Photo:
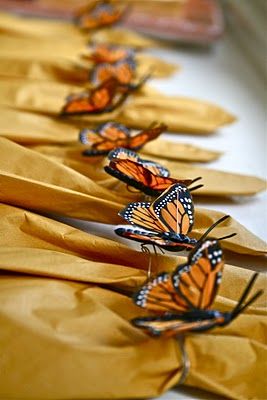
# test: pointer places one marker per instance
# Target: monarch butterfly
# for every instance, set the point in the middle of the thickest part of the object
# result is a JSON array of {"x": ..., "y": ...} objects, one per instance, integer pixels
[
  {"x": 104, "y": 98},
  {"x": 105, "y": 53},
  {"x": 182, "y": 300},
  {"x": 102, "y": 14},
  {"x": 149, "y": 177},
  {"x": 111, "y": 135},
  {"x": 123, "y": 71},
  {"x": 165, "y": 222}
]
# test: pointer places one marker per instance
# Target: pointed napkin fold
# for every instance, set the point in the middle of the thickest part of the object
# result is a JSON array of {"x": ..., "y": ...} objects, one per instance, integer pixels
[
  {"x": 78, "y": 327},
  {"x": 27, "y": 230},
  {"x": 123, "y": 37},
  {"x": 73, "y": 70},
  {"x": 30, "y": 128},
  {"x": 47, "y": 29},
  {"x": 143, "y": 107},
  {"x": 220, "y": 183},
  {"x": 233, "y": 184},
  {"x": 17, "y": 26},
  {"x": 181, "y": 114},
  {"x": 40, "y": 47}
]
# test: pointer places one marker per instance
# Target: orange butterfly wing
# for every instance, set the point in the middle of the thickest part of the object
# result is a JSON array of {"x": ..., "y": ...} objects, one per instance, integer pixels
[
  {"x": 160, "y": 296},
  {"x": 109, "y": 54},
  {"x": 172, "y": 211},
  {"x": 174, "y": 208},
  {"x": 104, "y": 98},
  {"x": 145, "y": 136},
  {"x": 136, "y": 175},
  {"x": 102, "y": 14},
  {"x": 191, "y": 286},
  {"x": 141, "y": 214},
  {"x": 123, "y": 71},
  {"x": 104, "y": 138},
  {"x": 199, "y": 280},
  {"x": 78, "y": 104}
]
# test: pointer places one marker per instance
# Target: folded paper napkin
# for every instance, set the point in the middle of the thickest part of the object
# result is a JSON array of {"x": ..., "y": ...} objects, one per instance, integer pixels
[
  {"x": 144, "y": 106},
  {"x": 234, "y": 184},
  {"x": 47, "y": 30},
  {"x": 73, "y": 70},
  {"x": 64, "y": 191},
  {"x": 33, "y": 129},
  {"x": 73, "y": 326}
]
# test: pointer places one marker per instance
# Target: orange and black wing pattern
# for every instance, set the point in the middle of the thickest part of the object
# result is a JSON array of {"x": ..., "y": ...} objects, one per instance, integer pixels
[
  {"x": 138, "y": 176},
  {"x": 105, "y": 53},
  {"x": 174, "y": 209},
  {"x": 98, "y": 16},
  {"x": 123, "y": 71},
  {"x": 121, "y": 153},
  {"x": 160, "y": 296},
  {"x": 146, "y": 135},
  {"x": 104, "y": 138},
  {"x": 141, "y": 214},
  {"x": 165, "y": 222},
  {"x": 182, "y": 299},
  {"x": 104, "y": 98},
  {"x": 198, "y": 280}
]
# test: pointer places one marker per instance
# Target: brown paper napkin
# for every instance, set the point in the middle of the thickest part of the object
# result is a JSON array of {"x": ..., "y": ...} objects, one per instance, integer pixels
[
  {"x": 179, "y": 113},
  {"x": 61, "y": 320},
  {"x": 73, "y": 71},
  {"x": 63, "y": 191},
  {"x": 17, "y": 26},
  {"x": 40, "y": 48},
  {"x": 30, "y": 128},
  {"x": 233, "y": 184},
  {"x": 45, "y": 29},
  {"x": 219, "y": 183}
]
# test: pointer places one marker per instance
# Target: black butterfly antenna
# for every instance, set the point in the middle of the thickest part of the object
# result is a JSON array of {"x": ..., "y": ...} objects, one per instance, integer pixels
[
  {"x": 195, "y": 187},
  {"x": 157, "y": 123},
  {"x": 213, "y": 226},
  {"x": 241, "y": 306},
  {"x": 142, "y": 81}
]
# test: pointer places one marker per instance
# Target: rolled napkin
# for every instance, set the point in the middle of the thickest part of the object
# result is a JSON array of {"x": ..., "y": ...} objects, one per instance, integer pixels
[
  {"x": 45, "y": 29},
  {"x": 144, "y": 106},
  {"x": 34, "y": 129},
  {"x": 61, "y": 191},
  {"x": 233, "y": 184},
  {"x": 73, "y": 313},
  {"x": 73, "y": 70}
]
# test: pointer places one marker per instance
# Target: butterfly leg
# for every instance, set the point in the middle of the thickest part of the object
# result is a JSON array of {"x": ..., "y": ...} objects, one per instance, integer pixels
[
  {"x": 147, "y": 198},
  {"x": 185, "y": 359},
  {"x": 146, "y": 250},
  {"x": 132, "y": 190}
]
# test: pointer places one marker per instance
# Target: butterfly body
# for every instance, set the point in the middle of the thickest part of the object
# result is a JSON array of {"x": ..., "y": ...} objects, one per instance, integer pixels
[
  {"x": 112, "y": 135},
  {"x": 169, "y": 242},
  {"x": 191, "y": 321},
  {"x": 182, "y": 300}
]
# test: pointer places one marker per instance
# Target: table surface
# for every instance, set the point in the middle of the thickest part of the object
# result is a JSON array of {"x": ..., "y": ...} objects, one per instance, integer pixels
[{"x": 223, "y": 75}]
